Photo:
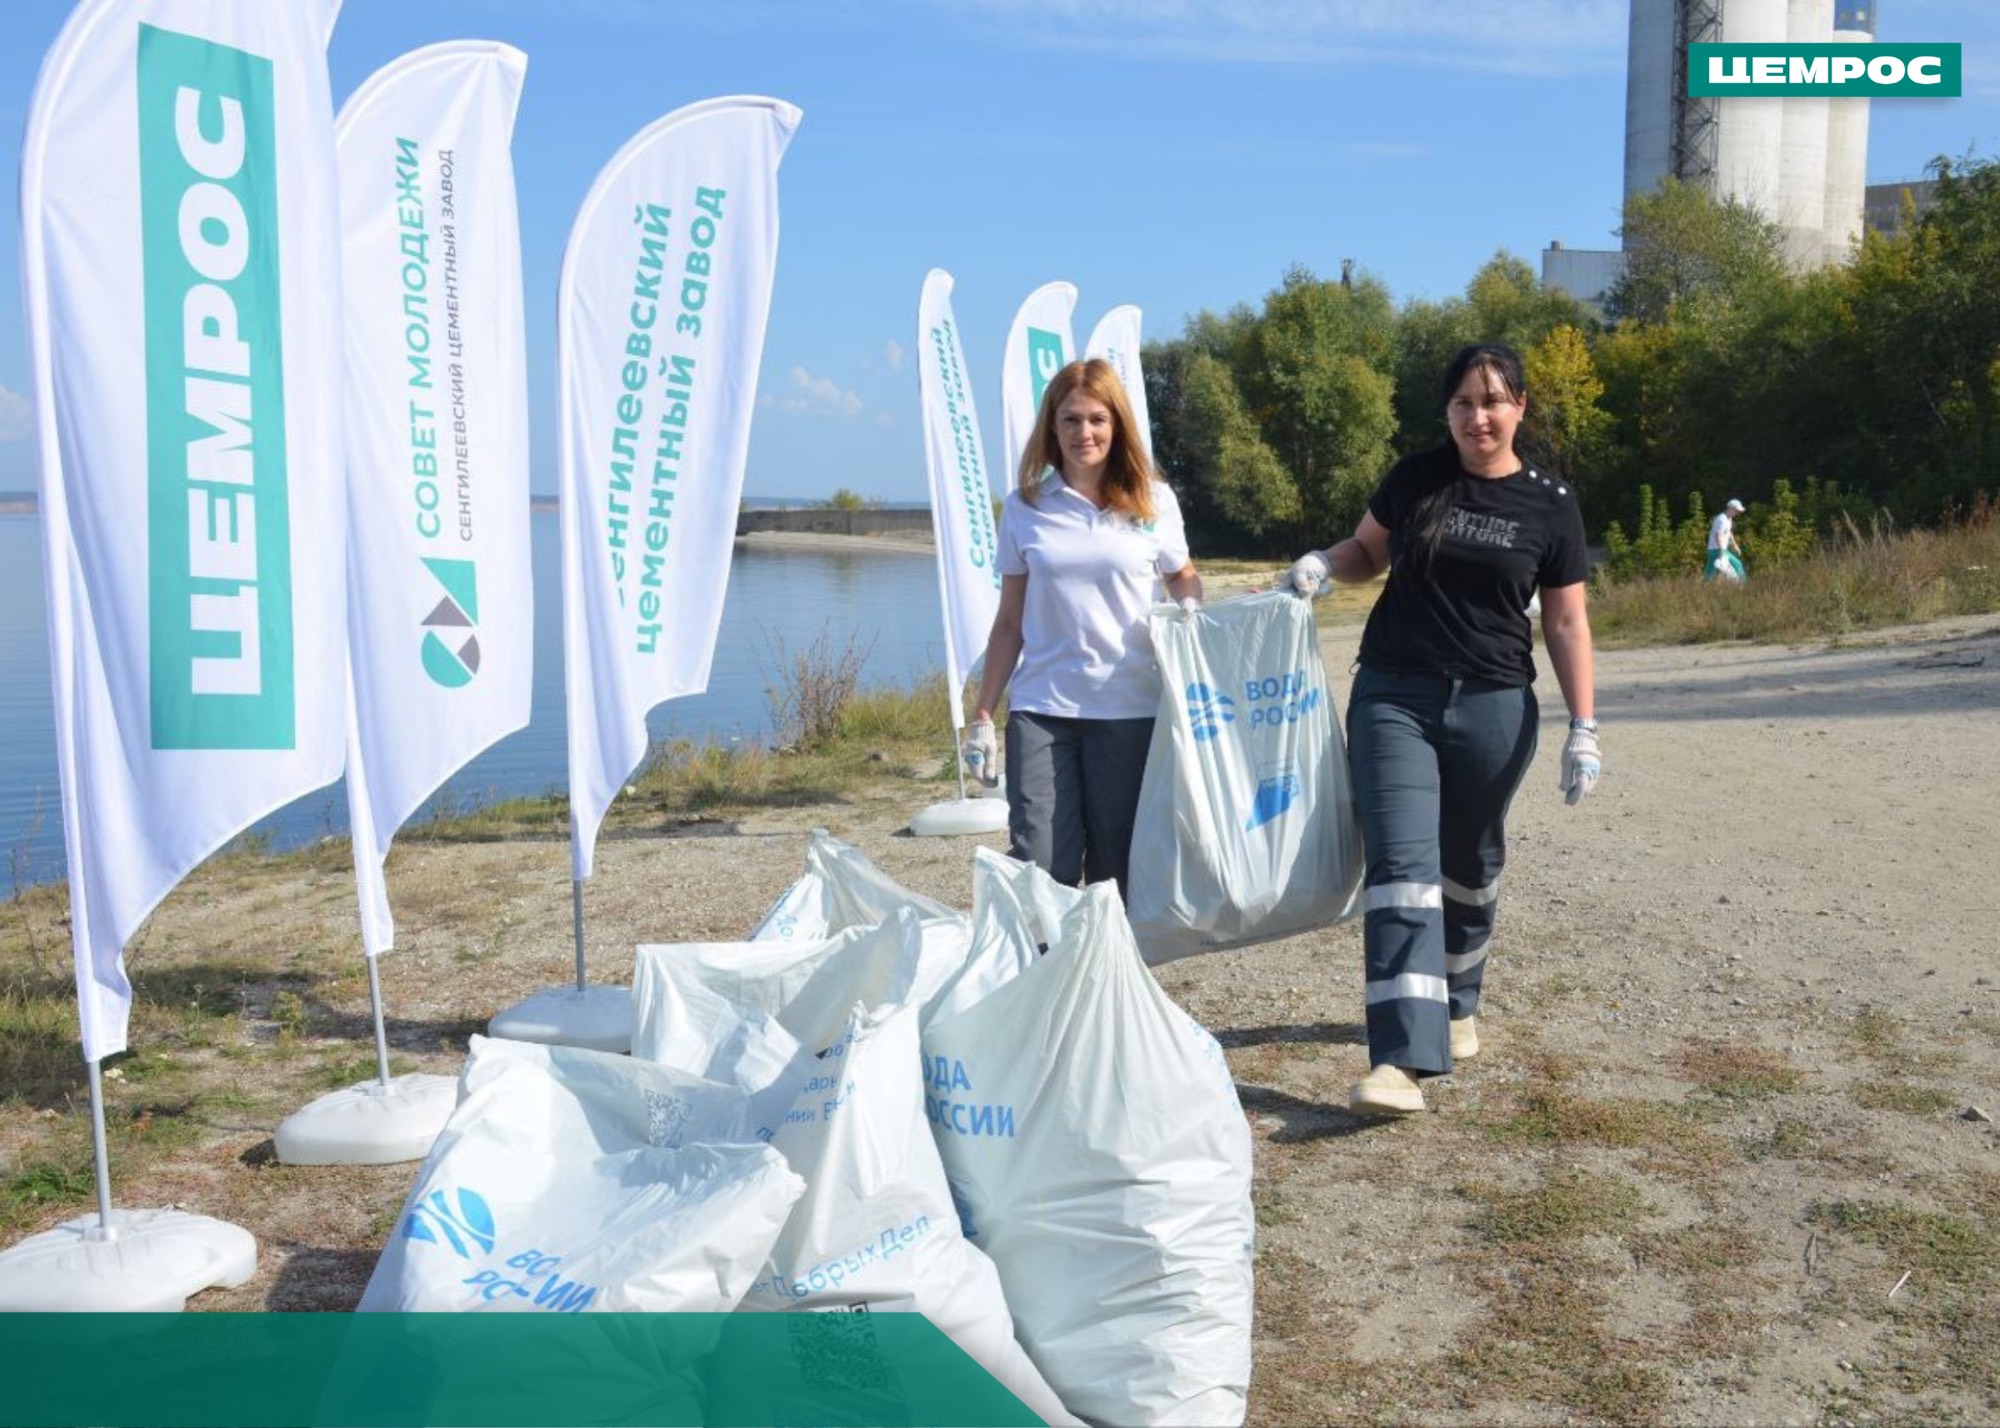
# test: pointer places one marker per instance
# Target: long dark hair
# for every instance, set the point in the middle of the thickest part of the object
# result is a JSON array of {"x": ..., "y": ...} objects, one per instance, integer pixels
[{"x": 1500, "y": 363}]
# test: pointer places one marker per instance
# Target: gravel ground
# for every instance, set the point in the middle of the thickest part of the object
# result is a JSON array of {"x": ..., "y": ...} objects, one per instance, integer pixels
[{"x": 1770, "y": 926}]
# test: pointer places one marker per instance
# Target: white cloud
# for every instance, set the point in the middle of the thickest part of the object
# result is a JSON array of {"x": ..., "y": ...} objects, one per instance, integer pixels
[
  {"x": 818, "y": 396},
  {"x": 1523, "y": 36},
  {"x": 885, "y": 420},
  {"x": 892, "y": 353},
  {"x": 16, "y": 416}
]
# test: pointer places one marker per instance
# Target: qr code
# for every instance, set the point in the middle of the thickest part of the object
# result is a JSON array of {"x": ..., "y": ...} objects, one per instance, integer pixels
[{"x": 835, "y": 1348}]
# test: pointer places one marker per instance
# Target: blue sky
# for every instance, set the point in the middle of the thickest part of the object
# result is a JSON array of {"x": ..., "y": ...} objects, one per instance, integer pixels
[{"x": 1177, "y": 154}]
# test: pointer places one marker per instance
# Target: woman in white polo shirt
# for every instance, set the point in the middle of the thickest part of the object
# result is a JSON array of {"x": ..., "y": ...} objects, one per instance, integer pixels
[{"x": 1086, "y": 532}]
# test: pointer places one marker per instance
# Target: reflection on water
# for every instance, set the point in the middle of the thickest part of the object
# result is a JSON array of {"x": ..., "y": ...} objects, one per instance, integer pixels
[{"x": 889, "y": 597}]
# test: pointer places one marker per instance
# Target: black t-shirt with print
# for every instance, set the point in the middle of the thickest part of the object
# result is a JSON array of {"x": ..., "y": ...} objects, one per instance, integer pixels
[{"x": 1502, "y": 539}]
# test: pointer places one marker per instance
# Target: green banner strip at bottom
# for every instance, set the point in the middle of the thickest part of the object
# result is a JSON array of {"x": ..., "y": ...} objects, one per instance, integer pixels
[{"x": 491, "y": 1370}]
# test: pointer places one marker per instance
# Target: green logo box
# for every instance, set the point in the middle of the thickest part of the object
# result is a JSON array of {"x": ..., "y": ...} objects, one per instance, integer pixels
[
  {"x": 217, "y": 504},
  {"x": 495, "y": 1370},
  {"x": 1045, "y": 359},
  {"x": 1850, "y": 71}
]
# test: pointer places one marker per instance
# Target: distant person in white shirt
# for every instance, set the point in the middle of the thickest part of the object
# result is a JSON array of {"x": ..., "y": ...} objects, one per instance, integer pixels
[
  {"x": 1725, "y": 556},
  {"x": 1087, "y": 530}
]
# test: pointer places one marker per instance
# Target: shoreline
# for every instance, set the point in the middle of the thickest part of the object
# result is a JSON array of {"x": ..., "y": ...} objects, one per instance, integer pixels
[{"x": 891, "y": 543}]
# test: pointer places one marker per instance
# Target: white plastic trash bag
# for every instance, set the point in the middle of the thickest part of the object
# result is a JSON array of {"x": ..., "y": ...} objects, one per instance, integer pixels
[
  {"x": 876, "y": 1225},
  {"x": 823, "y": 1036},
  {"x": 572, "y": 1180},
  {"x": 711, "y": 1008},
  {"x": 840, "y": 889},
  {"x": 1245, "y": 829},
  {"x": 1100, "y": 1157}
]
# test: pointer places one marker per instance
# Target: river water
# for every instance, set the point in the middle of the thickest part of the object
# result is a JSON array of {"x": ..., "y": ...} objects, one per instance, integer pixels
[{"x": 885, "y": 599}]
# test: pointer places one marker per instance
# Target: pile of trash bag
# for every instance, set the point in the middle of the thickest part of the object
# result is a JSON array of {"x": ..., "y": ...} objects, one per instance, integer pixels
[{"x": 876, "y": 1102}]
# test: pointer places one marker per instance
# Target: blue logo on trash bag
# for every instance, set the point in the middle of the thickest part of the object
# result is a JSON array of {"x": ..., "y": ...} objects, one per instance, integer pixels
[
  {"x": 1275, "y": 796},
  {"x": 436, "y": 1216},
  {"x": 463, "y": 1220},
  {"x": 1208, "y": 710}
]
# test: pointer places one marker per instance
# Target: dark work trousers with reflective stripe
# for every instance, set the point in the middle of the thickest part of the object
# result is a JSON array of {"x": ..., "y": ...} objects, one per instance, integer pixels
[
  {"x": 1435, "y": 761},
  {"x": 1072, "y": 793}
]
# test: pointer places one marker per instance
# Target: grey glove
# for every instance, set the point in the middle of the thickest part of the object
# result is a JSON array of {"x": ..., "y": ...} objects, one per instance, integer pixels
[
  {"x": 1308, "y": 573},
  {"x": 1582, "y": 765},
  {"x": 980, "y": 752}
]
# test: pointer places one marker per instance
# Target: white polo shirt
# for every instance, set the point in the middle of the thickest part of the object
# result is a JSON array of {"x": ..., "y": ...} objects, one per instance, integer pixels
[{"x": 1085, "y": 651}]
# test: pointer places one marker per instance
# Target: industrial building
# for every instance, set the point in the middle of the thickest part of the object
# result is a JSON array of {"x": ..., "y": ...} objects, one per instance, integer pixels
[{"x": 1801, "y": 160}]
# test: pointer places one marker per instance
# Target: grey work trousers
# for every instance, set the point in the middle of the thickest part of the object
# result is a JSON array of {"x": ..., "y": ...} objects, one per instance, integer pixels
[
  {"x": 1072, "y": 793},
  {"x": 1435, "y": 762}
]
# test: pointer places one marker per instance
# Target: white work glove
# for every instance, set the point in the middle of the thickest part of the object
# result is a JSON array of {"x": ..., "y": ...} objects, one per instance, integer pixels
[
  {"x": 1582, "y": 765},
  {"x": 980, "y": 752},
  {"x": 1308, "y": 573},
  {"x": 1189, "y": 604}
]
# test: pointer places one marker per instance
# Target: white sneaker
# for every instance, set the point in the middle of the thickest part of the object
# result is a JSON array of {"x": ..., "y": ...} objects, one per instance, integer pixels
[
  {"x": 1386, "y": 1091},
  {"x": 1465, "y": 1038}
]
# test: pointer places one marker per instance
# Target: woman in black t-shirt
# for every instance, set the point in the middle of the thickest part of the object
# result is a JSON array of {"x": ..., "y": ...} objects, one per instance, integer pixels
[{"x": 1441, "y": 723}]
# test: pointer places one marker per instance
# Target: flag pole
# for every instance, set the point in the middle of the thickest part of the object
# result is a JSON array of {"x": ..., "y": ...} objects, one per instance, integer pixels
[
  {"x": 100, "y": 1155},
  {"x": 381, "y": 1027},
  {"x": 576, "y": 920}
]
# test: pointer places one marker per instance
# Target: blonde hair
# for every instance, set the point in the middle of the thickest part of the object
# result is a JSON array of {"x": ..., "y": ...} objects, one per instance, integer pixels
[{"x": 1128, "y": 470}]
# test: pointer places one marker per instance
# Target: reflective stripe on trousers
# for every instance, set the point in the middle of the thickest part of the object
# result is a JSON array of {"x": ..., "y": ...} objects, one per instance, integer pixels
[{"x": 1435, "y": 763}]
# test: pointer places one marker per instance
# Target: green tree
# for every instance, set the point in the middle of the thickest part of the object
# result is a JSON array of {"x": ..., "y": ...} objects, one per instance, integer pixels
[
  {"x": 1224, "y": 454},
  {"x": 1509, "y": 304},
  {"x": 1428, "y": 336},
  {"x": 1565, "y": 426},
  {"x": 1681, "y": 247},
  {"x": 1927, "y": 326},
  {"x": 846, "y": 500},
  {"x": 1320, "y": 389}
]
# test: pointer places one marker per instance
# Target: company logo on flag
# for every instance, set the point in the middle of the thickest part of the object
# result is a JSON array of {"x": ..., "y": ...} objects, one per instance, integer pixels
[
  {"x": 217, "y": 500},
  {"x": 1045, "y": 358},
  {"x": 451, "y": 648}
]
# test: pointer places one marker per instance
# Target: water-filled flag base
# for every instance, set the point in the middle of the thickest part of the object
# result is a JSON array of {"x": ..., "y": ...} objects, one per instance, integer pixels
[
  {"x": 152, "y": 1262},
  {"x": 596, "y": 1018},
  {"x": 373, "y": 1123},
  {"x": 960, "y": 816}
]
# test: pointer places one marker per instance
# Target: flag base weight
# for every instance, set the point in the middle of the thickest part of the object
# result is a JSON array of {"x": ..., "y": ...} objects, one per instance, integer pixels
[
  {"x": 368, "y": 1124},
  {"x": 960, "y": 816},
  {"x": 596, "y": 1018},
  {"x": 152, "y": 1261}
]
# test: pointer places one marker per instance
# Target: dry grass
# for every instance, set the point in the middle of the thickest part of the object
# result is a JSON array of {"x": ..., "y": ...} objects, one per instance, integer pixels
[
  {"x": 1864, "y": 581},
  {"x": 1735, "y": 1071}
]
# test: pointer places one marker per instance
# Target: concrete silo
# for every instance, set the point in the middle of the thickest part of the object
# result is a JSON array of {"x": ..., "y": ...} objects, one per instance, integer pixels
[
  {"x": 1800, "y": 160},
  {"x": 1651, "y": 105},
  {"x": 1749, "y": 141},
  {"x": 1801, "y": 209},
  {"x": 1847, "y": 143}
]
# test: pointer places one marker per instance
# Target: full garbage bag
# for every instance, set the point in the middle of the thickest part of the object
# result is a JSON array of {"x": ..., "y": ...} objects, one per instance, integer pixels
[
  {"x": 572, "y": 1180},
  {"x": 1245, "y": 828},
  {"x": 823, "y": 1036},
  {"x": 1099, "y": 1156}
]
